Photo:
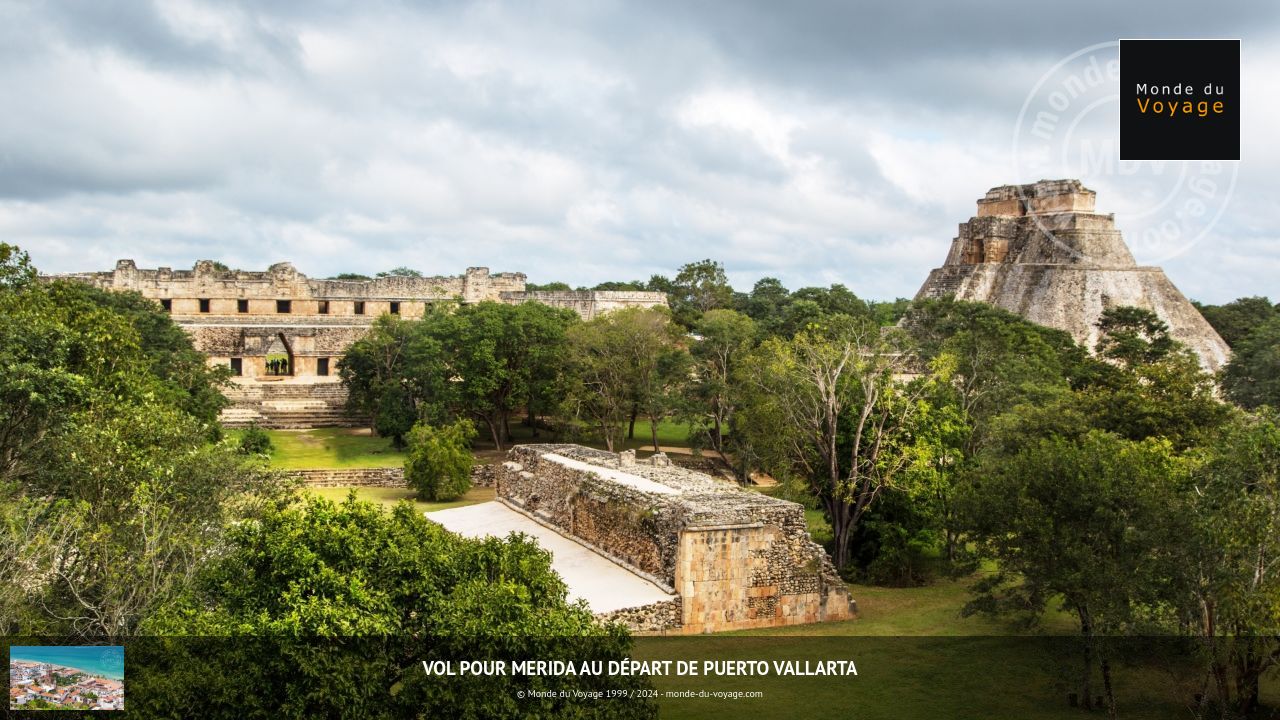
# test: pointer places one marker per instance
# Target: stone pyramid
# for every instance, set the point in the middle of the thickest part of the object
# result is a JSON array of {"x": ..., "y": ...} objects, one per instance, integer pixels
[{"x": 1041, "y": 251}]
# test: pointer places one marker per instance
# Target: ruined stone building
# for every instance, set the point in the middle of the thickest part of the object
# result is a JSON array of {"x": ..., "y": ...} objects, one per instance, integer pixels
[
  {"x": 660, "y": 548},
  {"x": 282, "y": 333},
  {"x": 1041, "y": 250}
]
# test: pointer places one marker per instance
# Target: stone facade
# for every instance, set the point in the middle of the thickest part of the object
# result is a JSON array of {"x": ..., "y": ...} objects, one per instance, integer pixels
[
  {"x": 281, "y": 326},
  {"x": 1041, "y": 251},
  {"x": 735, "y": 559}
]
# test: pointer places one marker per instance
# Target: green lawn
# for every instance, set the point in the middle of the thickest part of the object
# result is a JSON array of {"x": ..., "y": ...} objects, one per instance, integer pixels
[
  {"x": 331, "y": 448},
  {"x": 916, "y": 658},
  {"x": 357, "y": 447},
  {"x": 389, "y": 497}
]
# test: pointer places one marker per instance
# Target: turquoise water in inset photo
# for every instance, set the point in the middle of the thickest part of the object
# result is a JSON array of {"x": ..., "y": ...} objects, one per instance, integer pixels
[{"x": 102, "y": 660}]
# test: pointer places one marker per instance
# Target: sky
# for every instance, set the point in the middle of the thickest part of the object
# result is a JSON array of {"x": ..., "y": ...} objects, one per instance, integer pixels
[{"x": 816, "y": 142}]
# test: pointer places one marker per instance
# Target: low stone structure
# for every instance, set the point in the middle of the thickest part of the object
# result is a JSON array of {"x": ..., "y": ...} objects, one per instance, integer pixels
[
  {"x": 735, "y": 559},
  {"x": 352, "y": 477},
  {"x": 1041, "y": 250},
  {"x": 481, "y": 476}
]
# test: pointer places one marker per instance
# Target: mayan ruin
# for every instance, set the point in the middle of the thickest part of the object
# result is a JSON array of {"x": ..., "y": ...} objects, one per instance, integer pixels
[
  {"x": 1042, "y": 251},
  {"x": 671, "y": 550},
  {"x": 283, "y": 333}
]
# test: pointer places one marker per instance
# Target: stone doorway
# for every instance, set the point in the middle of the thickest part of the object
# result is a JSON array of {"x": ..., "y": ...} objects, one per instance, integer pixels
[{"x": 279, "y": 360}]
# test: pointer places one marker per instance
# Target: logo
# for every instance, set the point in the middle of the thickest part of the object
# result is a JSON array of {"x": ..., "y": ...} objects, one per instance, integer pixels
[{"x": 1069, "y": 127}]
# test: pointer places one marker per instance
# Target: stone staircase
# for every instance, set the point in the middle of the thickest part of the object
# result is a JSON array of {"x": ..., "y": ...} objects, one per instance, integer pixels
[{"x": 288, "y": 406}]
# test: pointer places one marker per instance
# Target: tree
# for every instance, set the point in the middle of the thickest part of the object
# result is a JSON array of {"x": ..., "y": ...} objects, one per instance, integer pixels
[
  {"x": 336, "y": 606},
  {"x": 766, "y": 304},
  {"x": 439, "y": 462},
  {"x": 401, "y": 271},
  {"x": 623, "y": 362},
  {"x": 1237, "y": 319},
  {"x": 698, "y": 287},
  {"x": 1252, "y": 376},
  {"x": 1221, "y": 551},
  {"x": 828, "y": 407},
  {"x": 1146, "y": 384},
  {"x": 551, "y": 286},
  {"x": 1078, "y": 519},
  {"x": 1133, "y": 336},
  {"x": 350, "y": 276},
  {"x": 499, "y": 357},
  {"x": 106, "y": 458},
  {"x": 724, "y": 337}
]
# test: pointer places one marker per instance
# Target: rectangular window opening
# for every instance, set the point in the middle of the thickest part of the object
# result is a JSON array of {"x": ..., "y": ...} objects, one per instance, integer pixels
[
  {"x": 204, "y": 305},
  {"x": 284, "y": 306},
  {"x": 322, "y": 307},
  {"x": 242, "y": 306},
  {"x": 237, "y": 367},
  {"x": 359, "y": 307},
  {"x": 322, "y": 366}
]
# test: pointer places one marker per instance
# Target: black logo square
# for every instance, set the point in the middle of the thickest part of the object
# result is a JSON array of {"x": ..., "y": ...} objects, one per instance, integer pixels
[{"x": 1179, "y": 99}]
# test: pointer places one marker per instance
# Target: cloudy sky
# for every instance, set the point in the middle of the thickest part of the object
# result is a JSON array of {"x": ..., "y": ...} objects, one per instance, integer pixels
[{"x": 582, "y": 141}]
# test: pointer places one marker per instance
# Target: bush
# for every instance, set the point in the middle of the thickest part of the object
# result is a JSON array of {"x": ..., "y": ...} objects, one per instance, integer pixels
[
  {"x": 439, "y": 462},
  {"x": 255, "y": 441}
]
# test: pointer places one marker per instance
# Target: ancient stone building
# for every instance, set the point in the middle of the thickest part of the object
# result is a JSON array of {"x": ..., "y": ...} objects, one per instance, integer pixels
[
  {"x": 282, "y": 333},
  {"x": 700, "y": 554},
  {"x": 1041, "y": 251}
]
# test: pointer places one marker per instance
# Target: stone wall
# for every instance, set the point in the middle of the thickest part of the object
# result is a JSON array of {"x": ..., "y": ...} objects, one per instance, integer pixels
[
  {"x": 355, "y": 477},
  {"x": 737, "y": 559}
]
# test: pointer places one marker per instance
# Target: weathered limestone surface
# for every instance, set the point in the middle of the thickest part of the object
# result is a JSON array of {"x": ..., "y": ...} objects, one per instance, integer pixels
[
  {"x": 1041, "y": 251},
  {"x": 737, "y": 559}
]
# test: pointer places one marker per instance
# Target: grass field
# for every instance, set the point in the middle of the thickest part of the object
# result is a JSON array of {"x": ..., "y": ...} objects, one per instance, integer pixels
[
  {"x": 331, "y": 448},
  {"x": 389, "y": 497},
  {"x": 917, "y": 657},
  {"x": 342, "y": 448}
]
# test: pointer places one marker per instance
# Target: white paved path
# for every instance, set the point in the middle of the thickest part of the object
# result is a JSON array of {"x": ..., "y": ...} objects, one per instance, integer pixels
[{"x": 604, "y": 584}]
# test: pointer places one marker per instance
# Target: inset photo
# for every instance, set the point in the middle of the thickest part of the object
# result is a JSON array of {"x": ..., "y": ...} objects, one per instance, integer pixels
[{"x": 66, "y": 677}]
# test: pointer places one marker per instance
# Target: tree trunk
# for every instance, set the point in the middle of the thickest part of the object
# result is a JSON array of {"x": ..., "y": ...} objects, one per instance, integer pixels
[
  {"x": 631, "y": 427},
  {"x": 653, "y": 431},
  {"x": 506, "y": 426},
  {"x": 531, "y": 418},
  {"x": 1106, "y": 686},
  {"x": 493, "y": 432},
  {"x": 841, "y": 528},
  {"x": 1086, "y": 632}
]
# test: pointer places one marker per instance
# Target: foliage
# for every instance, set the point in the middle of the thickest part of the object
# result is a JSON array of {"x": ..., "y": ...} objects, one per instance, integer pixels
[
  {"x": 481, "y": 361},
  {"x": 827, "y": 406},
  {"x": 439, "y": 462},
  {"x": 723, "y": 338},
  {"x": 1236, "y": 320},
  {"x": 545, "y": 287},
  {"x": 391, "y": 590},
  {"x": 1252, "y": 376},
  {"x": 620, "y": 363},
  {"x": 350, "y": 276},
  {"x": 255, "y": 441},
  {"x": 697, "y": 287},
  {"x": 401, "y": 271},
  {"x": 106, "y": 461}
]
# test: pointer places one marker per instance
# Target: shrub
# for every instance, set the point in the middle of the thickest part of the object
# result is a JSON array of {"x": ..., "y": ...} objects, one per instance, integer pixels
[
  {"x": 439, "y": 461},
  {"x": 255, "y": 441}
]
